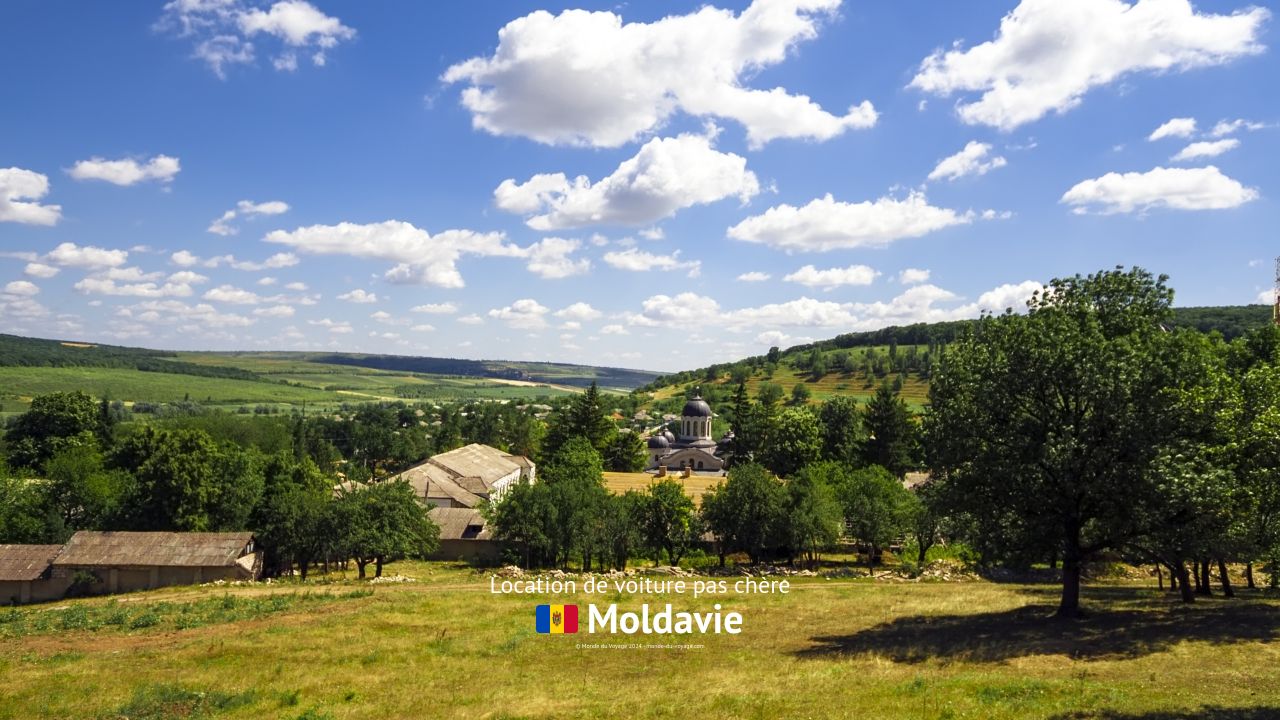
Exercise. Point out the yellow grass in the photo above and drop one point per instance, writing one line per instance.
(694, 485)
(445, 647)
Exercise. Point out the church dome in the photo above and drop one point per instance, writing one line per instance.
(659, 441)
(697, 407)
(670, 436)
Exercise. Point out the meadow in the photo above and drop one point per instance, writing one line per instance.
(318, 386)
(443, 646)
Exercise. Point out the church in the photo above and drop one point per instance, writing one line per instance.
(692, 448)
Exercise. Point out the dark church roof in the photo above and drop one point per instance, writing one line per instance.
(697, 407)
(659, 441)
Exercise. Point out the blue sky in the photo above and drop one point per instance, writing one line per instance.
(638, 185)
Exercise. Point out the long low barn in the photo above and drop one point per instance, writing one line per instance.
(125, 561)
(25, 573)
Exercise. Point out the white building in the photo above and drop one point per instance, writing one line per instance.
(467, 476)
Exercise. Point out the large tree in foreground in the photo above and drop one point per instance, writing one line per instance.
(1047, 425)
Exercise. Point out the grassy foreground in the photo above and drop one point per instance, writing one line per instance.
(445, 647)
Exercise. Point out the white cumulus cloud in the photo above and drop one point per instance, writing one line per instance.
(913, 276)
(24, 288)
(446, 308)
(827, 224)
(1177, 127)
(1203, 188)
(359, 295)
(420, 256)
(40, 270)
(1228, 127)
(96, 285)
(588, 78)
(525, 314)
(832, 278)
(665, 176)
(636, 260)
(974, 159)
(551, 258)
(71, 255)
(579, 311)
(246, 209)
(1206, 149)
(754, 276)
(127, 171)
(233, 295)
(223, 31)
(20, 192)
(1048, 54)
(275, 311)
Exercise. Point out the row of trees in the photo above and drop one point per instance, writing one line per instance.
(570, 516)
(784, 439)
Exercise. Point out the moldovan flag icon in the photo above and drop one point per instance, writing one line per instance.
(556, 619)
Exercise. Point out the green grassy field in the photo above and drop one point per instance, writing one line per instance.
(319, 386)
(445, 647)
(21, 383)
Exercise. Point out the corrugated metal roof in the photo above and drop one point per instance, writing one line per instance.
(420, 477)
(171, 549)
(476, 460)
(26, 562)
(444, 488)
(454, 523)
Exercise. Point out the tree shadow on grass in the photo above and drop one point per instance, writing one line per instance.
(1032, 630)
(1207, 712)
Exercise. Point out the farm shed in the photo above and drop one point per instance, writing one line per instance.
(25, 574)
(126, 561)
(463, 535)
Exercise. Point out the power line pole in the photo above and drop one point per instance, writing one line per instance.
(1275, 297)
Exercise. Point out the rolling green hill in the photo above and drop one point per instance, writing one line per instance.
(32, 366)
(855, 364)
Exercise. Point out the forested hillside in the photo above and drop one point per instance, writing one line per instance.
(854, 363)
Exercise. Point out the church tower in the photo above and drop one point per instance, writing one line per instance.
(695, 425)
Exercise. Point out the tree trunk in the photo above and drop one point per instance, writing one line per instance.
(1227, 591)
(1195, 575)
(1173, 577)
(1205, 587)
(921, 554)
(360, 563)
(377, 567)
(1159, 577)
(1072, 557)
(1248, 575)
(1184, 584)
(1069, 607)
